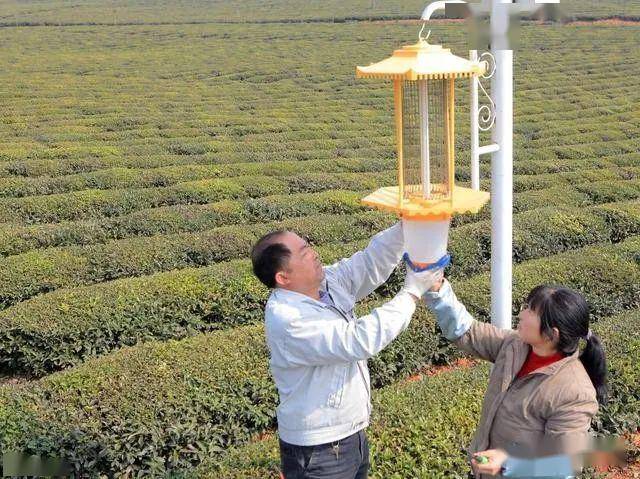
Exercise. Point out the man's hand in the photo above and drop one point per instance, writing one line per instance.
(437, 285)
(417, 284)
(488, 462)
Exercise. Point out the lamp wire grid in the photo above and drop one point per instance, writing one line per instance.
(437, 96)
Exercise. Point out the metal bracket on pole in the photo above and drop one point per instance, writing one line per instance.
(478, 117)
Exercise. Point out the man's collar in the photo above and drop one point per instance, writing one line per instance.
(324, 286)
(289, 295)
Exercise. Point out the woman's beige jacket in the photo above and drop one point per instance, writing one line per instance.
(544, 413)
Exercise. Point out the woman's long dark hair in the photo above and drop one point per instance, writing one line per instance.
(567, 310)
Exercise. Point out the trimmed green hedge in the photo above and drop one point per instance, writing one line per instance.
(95, 203)
(285, 12)
(567, 195)
(28, 274)
(622, 217)
(419, 346)
(16, 239)
(23, 276)
(186, 397)
(31, 177)
(119, 177)
(610, 279)
(414, 433)
(529, 162)
(106, 203)
(213, 390)
(608, 192)
(84, 166)
(580, 194)
(55, 330)
(582, 176)
(105, 179)
(418, 429)
(544, 231)
(621, 336)
(632, 159)
(101, 414)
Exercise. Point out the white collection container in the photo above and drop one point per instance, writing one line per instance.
(425, 241)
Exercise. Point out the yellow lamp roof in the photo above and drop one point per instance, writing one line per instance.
(463, 200)
(422, 61)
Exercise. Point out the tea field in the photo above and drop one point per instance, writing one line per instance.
(140, 162)
(94, 12)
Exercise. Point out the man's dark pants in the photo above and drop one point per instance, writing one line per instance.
(347, 458)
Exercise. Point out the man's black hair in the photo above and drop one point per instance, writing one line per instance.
(268, 256)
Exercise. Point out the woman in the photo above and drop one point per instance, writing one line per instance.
(542, 391)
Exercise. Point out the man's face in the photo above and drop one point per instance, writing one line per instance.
(304, 270)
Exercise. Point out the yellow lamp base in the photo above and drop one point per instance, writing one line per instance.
(464, 200)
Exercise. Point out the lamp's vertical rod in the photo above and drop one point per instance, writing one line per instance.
(446, 135)
(425, 166)
(475, 130)
(502, 170)
(397, 93)
(452, 138)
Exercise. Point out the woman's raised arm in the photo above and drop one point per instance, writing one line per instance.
(479, 339)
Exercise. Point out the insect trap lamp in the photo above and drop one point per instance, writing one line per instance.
(426, 196)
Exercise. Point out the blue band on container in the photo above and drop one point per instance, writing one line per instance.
(441, 263)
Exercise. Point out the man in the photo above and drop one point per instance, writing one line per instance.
(319, 349)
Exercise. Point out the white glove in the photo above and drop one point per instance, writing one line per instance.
(419, 283)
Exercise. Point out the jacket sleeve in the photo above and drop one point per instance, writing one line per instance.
(479, 339)
(323, 340)
(567, 425)
(363, 272)
(566, 434)
(559, 466)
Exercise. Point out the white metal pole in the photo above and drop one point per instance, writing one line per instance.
(501, 160)
(502, 169)
(475, 130)
(423, 100)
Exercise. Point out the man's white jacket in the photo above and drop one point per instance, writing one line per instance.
(319, 352)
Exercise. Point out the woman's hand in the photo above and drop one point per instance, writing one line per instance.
(488, 462)
(417, 284)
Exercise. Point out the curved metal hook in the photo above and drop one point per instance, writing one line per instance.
(420, 37)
